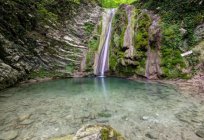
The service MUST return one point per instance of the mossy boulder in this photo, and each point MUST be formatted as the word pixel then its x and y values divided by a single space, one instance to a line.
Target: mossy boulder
pixel 93 132
pixel 98 132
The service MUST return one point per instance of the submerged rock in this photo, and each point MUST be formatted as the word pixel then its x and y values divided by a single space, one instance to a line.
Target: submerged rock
pixel 23 117
pixel 200 133
pixel 8 135
pixel 151 135
pixel 69 137
pixel 104 114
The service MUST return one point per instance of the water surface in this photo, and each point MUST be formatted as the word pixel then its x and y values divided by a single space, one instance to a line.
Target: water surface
pixel 139 110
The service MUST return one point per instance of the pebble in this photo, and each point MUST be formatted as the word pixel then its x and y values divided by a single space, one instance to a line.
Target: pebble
pixel 23 117
pixel 8 135
pixel 151 135
pixel 145 117
pixel 200 133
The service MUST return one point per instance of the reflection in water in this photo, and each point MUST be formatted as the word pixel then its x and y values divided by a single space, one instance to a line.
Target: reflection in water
pixel 103 85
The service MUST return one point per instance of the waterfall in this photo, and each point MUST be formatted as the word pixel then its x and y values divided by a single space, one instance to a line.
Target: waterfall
pixel 102 66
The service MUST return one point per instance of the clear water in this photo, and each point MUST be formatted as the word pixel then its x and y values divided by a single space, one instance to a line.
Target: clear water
pixel 138 110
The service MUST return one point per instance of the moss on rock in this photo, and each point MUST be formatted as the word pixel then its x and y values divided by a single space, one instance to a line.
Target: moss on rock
pixel 93 45
pixel 99 132
pixel 120 64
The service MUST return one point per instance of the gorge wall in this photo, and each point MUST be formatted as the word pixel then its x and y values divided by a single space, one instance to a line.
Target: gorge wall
pixel 44 38
pixel 58 38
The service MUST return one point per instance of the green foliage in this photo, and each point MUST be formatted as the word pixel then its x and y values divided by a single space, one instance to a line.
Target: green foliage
pixel 172 38
pixel 114 3
pixel 70 68
pixel 142 35
pixel 108 133
pixel 63 9
pixel 89 27
pixel 171 61
pixel 45 15
pixel 142 41
pixel 113 61
pixel 104 114
pixel 183 13
pixel 199 59
pixel 93 46
pixel 18 17
pixel 15 19
pixel 119 64
pixel 176 14
pixel 119 24
pixel 42 73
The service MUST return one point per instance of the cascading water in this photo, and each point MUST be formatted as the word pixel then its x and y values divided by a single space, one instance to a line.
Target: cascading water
pixel 102 66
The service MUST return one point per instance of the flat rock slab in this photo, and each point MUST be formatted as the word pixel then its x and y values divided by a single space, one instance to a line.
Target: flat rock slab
pixel 8 135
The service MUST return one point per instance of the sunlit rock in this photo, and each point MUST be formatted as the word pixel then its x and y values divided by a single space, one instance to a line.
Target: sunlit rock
pixel 97 132
pixel 93 132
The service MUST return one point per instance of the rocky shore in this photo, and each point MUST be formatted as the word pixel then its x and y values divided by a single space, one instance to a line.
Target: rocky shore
pixel 193 87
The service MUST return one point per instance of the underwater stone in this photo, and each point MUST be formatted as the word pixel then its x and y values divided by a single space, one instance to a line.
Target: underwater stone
pixel 145 117
pixel 151 135
pixel 23 117
pixel 104 114
pixel 200 133
pixel 8 135
pixel 68 137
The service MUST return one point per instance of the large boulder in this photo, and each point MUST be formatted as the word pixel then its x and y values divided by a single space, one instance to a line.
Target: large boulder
pixel 94 132
pixel 8 76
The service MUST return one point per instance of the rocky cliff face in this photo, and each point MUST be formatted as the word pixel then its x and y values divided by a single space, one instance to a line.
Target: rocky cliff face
pixel 38 40
pixel 148 43
pixel 135 47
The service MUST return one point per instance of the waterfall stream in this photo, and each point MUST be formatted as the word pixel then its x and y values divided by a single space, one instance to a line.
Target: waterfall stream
pixel 102 66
